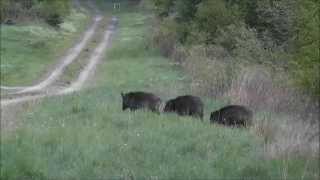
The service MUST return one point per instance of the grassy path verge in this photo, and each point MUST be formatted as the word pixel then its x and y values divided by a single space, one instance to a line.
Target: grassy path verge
pixel 72 71
pixel 28 50
pixel 63 67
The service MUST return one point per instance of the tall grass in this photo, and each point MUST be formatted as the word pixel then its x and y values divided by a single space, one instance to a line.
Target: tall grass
pixel 238 69
pixel 91 138
pixel 263 90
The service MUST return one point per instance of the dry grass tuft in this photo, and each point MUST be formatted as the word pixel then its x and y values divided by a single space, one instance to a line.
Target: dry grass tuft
pixel 290 126
pixel 286 118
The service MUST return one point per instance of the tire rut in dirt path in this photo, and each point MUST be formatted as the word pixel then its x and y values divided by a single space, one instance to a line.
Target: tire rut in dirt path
pixel 83 76
pixel 72 55
pixel 95 57
pixel 65 61
pixel 12 88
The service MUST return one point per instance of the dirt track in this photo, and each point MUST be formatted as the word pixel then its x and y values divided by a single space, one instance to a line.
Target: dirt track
pixel 71 55
pixel 36 90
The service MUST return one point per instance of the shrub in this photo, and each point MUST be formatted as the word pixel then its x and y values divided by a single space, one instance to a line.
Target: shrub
pixel 306 64
pixel 276 18
pixel 165 36
pixel 186 10
pixel 210 76
pixel 26 10
pixel 242 43
pixel 54 20
pixel 212 15
pixel 54 11
pixel 253 52
pixel 163 7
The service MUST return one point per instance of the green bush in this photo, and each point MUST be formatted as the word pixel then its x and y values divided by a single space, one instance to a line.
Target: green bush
pixel 54 20
pixel 211 77
pixel 163 7
pixel 243 45
pixel 52 12
pixel 186 10
pixel 276 18
pixel 306 64
pixel 281 34
pixel 165 36
pixel 212 15
pixel 272 17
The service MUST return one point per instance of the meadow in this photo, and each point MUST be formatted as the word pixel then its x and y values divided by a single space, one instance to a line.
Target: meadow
pixel 29 49
pixel 86 135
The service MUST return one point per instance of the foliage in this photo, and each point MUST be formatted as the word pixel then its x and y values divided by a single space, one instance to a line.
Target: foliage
pixel 163 7
pixel 28 50
pixel 166 36
pixel 52 12
pixel 281 34
pixel 54 20
pixel 212 15
pixel 90 137
pixel 186 9
pixel 272 17
pixel 276 19
pixel 307 58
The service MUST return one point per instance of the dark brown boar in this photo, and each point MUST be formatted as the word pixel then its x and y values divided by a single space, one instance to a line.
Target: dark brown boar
pixel 185 106
pixel 232 115
pixel 140 100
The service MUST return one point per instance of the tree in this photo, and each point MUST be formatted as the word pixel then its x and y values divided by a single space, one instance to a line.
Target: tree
pixel 211 15
pixel 163 7
pixel 54 11
pixel 307 60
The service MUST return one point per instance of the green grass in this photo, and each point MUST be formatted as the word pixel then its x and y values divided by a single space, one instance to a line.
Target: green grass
pixel 27 51
pixel 87 136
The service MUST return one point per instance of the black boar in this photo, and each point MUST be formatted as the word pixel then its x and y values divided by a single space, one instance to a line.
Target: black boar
pixel 185 106
pixel 140 100
pixel 232 115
